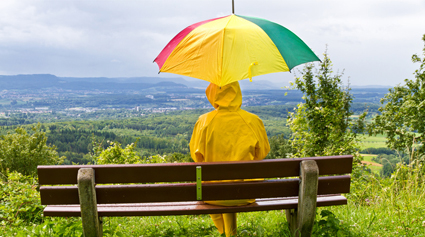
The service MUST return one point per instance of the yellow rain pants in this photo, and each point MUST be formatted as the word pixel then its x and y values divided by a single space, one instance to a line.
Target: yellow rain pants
pixel 228 133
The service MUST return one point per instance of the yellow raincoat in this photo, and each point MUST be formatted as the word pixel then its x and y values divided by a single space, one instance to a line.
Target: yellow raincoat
pixel 228 134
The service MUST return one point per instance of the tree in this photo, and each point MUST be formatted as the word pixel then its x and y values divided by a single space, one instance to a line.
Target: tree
pixel 280 147
pixel 403 113
pixel 323 125
pixel 22 152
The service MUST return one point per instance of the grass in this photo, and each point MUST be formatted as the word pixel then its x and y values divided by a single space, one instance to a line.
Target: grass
pixel 387 207
pixel 383 219
pixel 249 224
pixel 272 223
pixel 378 219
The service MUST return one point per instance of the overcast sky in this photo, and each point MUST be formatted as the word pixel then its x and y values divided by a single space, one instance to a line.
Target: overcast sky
pixel 373 40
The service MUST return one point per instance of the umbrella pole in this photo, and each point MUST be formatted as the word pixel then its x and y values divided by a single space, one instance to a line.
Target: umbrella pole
pixel 233 6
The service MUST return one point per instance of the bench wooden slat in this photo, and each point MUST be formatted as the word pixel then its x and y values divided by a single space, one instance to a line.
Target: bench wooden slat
pixel 185 172
pixel 54 195
pixel 190 208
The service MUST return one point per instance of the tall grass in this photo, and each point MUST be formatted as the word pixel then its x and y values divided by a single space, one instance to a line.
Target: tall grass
pixel 392 206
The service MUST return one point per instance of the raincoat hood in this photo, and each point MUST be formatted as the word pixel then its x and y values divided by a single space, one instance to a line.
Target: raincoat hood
pixel 225 97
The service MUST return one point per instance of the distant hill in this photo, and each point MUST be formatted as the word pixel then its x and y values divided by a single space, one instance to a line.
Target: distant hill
pixel 37 81
pixel 43 81
pixel 371 86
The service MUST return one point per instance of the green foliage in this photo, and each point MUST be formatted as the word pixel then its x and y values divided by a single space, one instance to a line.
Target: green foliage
pixel 179 158
pixel 330 226
pixel 22 152
pixel 115 154
pixel 403 112
pixel 323 124
pixel 387 169
pixel 50 227
pixel 58 227
pixel 20 200
pixel 280 147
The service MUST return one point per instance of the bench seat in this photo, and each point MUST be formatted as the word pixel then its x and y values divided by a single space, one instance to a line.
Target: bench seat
pixel 190 208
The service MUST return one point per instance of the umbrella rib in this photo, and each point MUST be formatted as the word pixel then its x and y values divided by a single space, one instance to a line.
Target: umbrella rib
pixel 222 50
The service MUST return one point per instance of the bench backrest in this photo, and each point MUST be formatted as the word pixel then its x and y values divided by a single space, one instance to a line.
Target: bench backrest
pixel 136 191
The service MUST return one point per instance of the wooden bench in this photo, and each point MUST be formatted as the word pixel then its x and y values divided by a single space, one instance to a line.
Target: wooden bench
pixel 133 190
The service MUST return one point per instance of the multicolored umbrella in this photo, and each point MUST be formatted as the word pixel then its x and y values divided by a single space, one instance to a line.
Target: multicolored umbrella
pixel 231 48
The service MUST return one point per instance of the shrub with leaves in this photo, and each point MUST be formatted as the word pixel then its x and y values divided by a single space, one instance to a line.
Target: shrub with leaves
pixel 20 200
pixel 115 154
pixel 178 158
pixel 329 225
pixel 280 147
pixel 23 152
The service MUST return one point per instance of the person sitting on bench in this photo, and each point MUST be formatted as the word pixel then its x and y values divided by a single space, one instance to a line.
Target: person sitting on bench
pixel 228 133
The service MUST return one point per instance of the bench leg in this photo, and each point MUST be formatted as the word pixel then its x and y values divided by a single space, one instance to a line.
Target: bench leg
pixel 101 226
pixel 307 197
pixel 88 203
pixel 292 218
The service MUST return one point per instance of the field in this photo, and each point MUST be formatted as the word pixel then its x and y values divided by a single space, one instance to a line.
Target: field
pixel 375 167
pixel 372 141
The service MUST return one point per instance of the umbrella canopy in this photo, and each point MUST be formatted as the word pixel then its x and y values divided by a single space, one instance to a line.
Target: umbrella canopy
pixel 227 49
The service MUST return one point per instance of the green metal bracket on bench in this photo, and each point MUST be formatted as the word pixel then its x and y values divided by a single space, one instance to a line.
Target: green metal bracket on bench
pixel 199 183
pixel 143 199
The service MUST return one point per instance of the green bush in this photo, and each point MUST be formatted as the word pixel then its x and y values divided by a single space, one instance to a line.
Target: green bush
pixel 178 158
pixel 329 226
pixel 115 154
pixel 280 147
pixel 22 152
pixel 20 200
